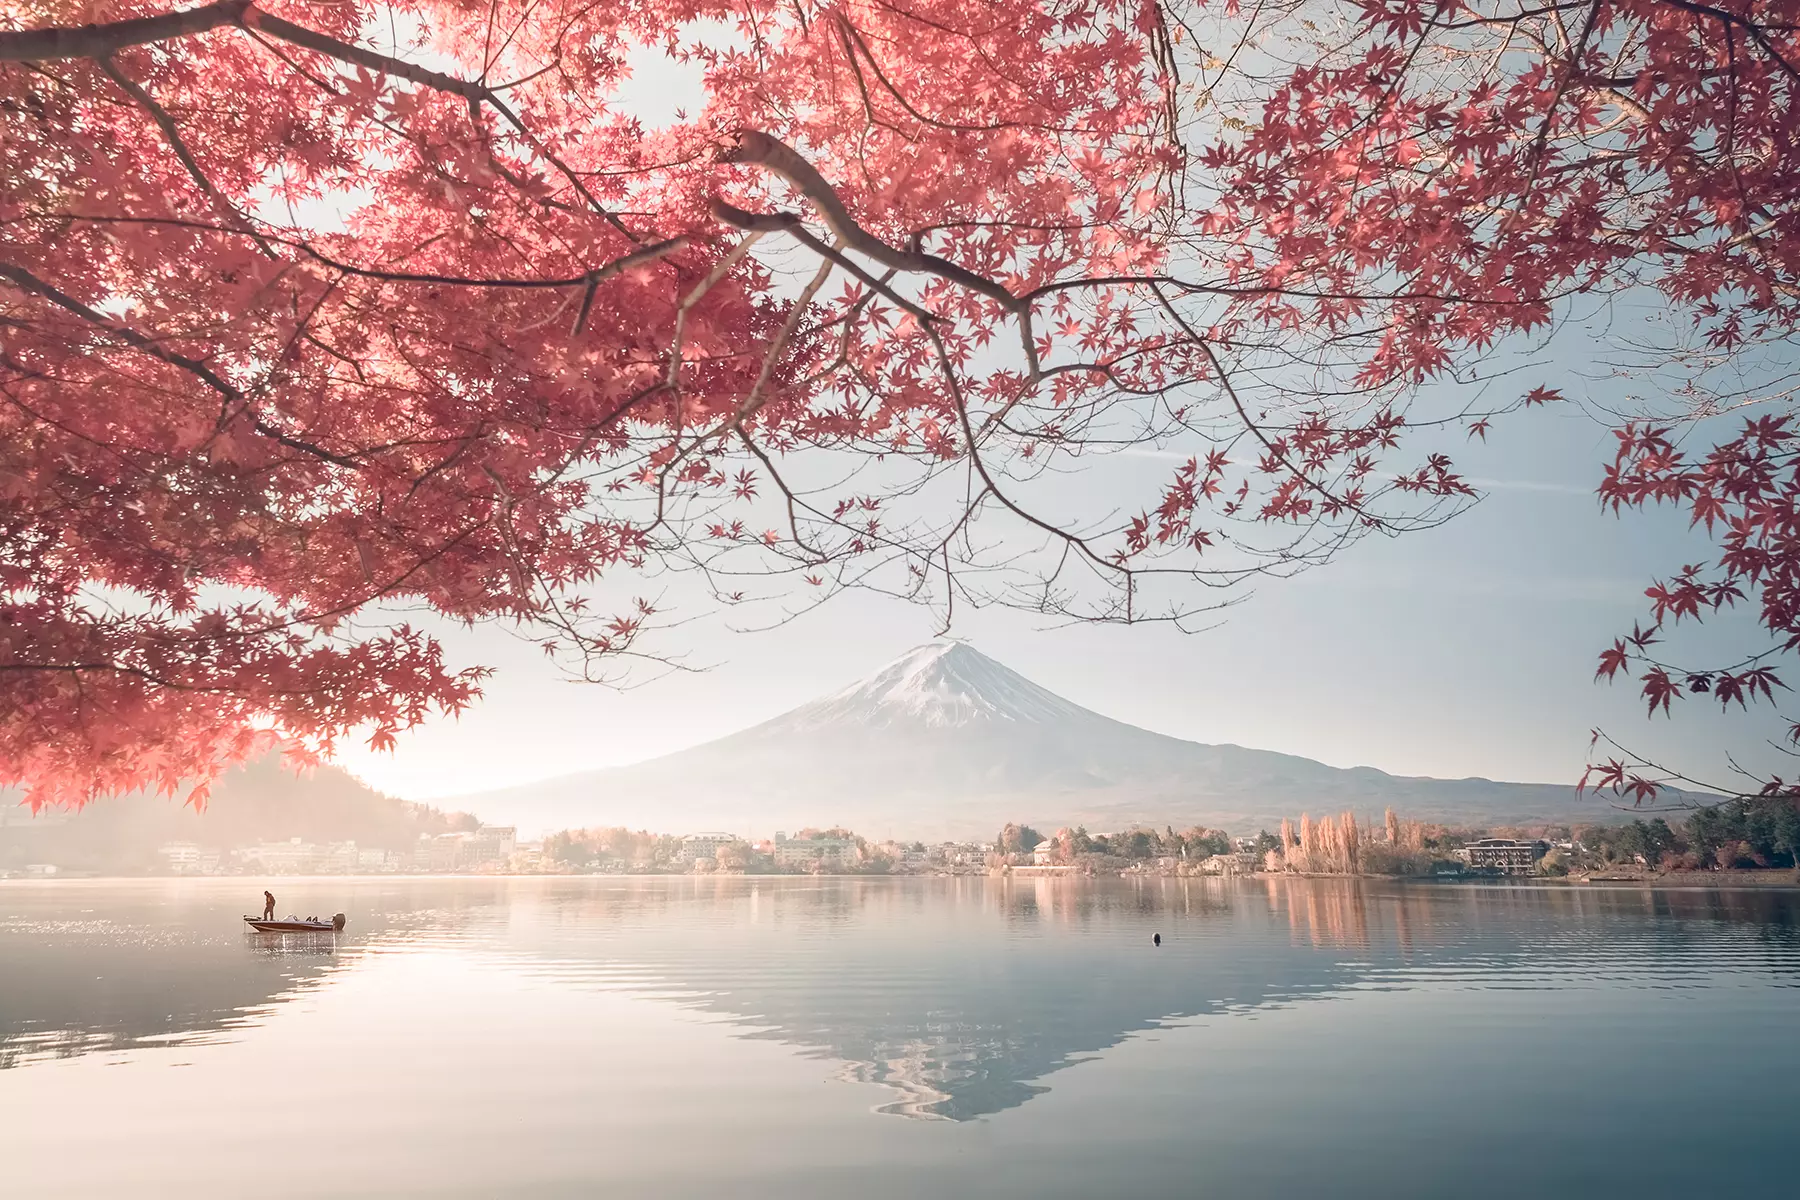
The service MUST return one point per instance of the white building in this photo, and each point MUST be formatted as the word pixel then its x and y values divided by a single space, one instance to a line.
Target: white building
pixel 828 852
pixel 489 848
pixel 377 860
pixel 705 845
pixel 338 858
pixel 963 854
pixel 182 858
pixel 292 857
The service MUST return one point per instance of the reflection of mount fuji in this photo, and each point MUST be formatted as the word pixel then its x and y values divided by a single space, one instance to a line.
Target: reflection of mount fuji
pixel 961 1027
pixel 946 742
pixel 962 997
pixel 965 997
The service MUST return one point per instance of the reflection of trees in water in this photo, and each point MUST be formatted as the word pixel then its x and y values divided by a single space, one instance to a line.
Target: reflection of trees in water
pixel 960 995
pixel 1326 912
pixel 1346 913
pixel 951 994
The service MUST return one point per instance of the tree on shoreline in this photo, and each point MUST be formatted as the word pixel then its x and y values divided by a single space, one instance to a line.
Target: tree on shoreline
pixel 1017 839
pixel 314 313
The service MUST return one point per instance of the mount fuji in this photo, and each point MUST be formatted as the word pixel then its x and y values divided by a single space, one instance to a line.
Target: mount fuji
pixel 945 742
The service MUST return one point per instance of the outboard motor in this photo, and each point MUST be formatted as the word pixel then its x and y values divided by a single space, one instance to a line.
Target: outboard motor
pixel 337 922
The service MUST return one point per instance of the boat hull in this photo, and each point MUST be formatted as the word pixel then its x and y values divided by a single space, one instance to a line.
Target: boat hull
pixel 290 926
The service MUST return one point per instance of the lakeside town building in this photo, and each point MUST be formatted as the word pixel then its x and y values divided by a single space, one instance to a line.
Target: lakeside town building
pixel 696 846
pixel 827 852
pixel 488 848
pixel 1508 856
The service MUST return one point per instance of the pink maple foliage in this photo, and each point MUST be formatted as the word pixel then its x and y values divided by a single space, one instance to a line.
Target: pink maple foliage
pixel 311 312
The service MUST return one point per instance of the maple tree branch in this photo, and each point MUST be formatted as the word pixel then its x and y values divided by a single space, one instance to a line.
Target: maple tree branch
pixel 1620 777
pixel 757 397
pixel 591 279
pixel 788 496
pixel 26 281
pixel 475 93
pixel 159 679
pixel 1256 431
pixel 1756 32
pixel 96 41
pixel 992 486
pixel 793 226
pixel 1251 291
pixel 854 43
pixel 848 318
pixel 722 268
pixel 759 149
pixel 385 64
pixel 638 257
pixel 172 135
pixel 1567 77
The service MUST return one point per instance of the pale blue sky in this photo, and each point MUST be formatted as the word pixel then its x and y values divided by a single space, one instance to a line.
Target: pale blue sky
pixel 1466 650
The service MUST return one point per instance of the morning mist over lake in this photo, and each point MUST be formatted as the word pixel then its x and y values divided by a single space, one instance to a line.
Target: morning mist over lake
pixel 792 599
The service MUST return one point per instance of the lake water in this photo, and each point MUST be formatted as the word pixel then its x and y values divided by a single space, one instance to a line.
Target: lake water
pixel 897 1038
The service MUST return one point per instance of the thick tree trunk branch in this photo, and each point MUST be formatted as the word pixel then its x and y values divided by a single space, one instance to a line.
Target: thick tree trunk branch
pixel 385 64
pixel 96 41
pixel 793 226
pixel 759 149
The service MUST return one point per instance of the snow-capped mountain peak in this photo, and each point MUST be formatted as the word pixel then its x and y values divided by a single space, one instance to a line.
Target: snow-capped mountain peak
pixel 937 685
pixel 944 741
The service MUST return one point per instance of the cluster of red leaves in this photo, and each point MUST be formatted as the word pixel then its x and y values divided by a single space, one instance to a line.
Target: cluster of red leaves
pixel 1743 491
pixel 340 303
pixel 1462 164
pixel 1432 184
pixel 1485 158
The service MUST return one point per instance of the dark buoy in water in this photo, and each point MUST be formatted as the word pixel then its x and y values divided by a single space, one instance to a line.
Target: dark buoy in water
pixel 1157 940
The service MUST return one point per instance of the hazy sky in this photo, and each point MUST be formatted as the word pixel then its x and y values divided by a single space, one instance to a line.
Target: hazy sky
pixel 1467 650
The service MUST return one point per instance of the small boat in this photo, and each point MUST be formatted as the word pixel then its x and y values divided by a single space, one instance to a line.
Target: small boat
pixel 296 925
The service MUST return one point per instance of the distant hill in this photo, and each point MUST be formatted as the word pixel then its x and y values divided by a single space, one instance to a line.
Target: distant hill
pixel 947 742
pixel 261 801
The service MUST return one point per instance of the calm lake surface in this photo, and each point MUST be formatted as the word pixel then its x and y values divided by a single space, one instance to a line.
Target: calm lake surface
pixel 877 1038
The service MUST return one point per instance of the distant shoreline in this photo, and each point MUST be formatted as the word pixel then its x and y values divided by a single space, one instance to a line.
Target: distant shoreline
pixel 1762 880
pixel 1780 879
pixel 1788 880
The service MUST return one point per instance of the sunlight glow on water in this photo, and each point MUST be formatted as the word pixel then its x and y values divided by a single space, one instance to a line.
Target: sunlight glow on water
pixel 781 1037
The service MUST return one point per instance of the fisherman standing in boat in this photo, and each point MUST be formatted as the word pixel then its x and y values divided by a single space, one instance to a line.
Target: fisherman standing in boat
pixel 268 906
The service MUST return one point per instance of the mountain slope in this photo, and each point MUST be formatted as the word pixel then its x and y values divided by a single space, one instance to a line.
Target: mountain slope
pixel 946 742
pixel 259 801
